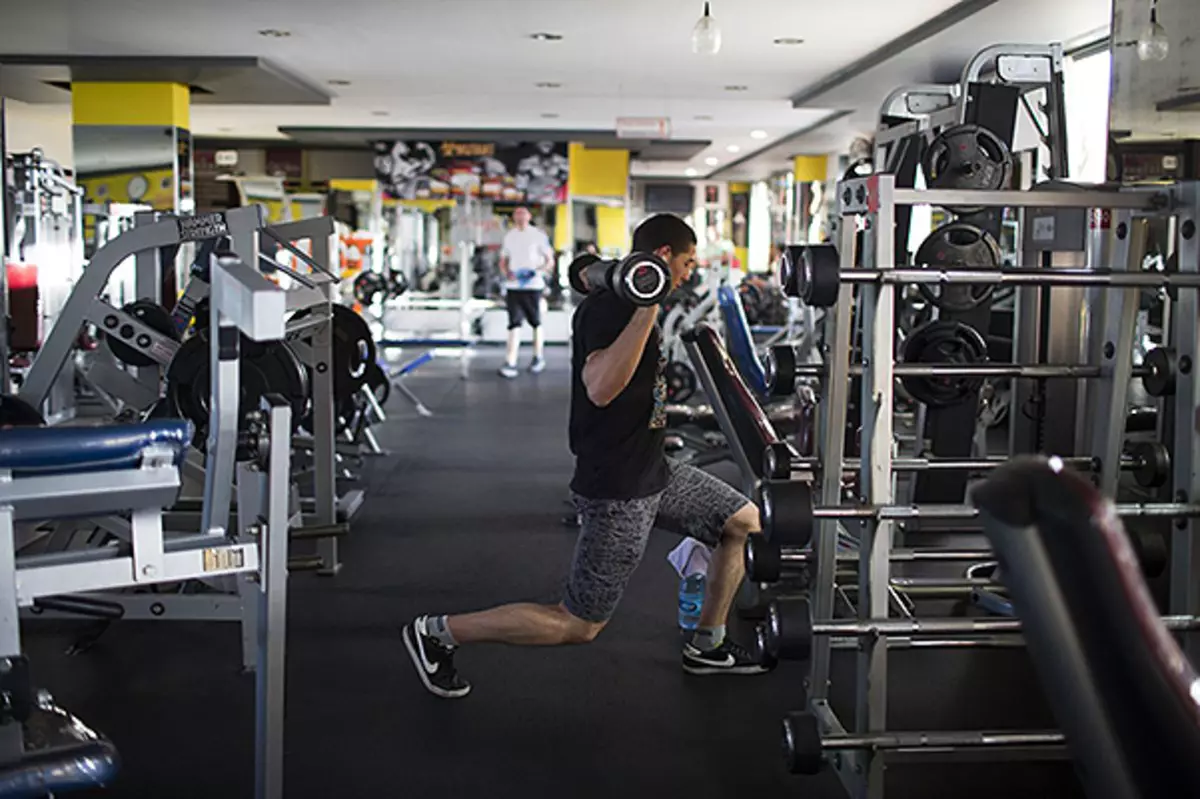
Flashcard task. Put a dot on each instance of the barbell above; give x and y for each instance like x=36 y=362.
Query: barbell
x=788 y=513
x=640 y=278
x=805 y=748
x=765 y=559
x=813 y=273
x=1149 y=461
x=790 y=628
x=1157 y=371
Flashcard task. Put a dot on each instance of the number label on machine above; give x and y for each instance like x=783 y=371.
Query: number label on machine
x=206 y=226
x=222 y=559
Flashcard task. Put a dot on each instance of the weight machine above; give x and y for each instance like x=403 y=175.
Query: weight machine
x=863 y=745
x=104 y=473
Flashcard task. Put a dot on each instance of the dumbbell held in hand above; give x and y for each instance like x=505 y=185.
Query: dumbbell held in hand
x=640 y=278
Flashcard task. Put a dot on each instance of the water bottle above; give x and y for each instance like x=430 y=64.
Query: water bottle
x=691 y=600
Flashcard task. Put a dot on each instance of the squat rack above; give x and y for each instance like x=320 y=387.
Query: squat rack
x=876 y=198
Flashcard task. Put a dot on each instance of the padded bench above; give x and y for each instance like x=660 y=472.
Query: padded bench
x=752 y=429
x=740 y=341
x=1119 y=684
x=61 y=472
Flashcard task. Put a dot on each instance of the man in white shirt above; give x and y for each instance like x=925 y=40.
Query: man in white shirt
x=526 y=257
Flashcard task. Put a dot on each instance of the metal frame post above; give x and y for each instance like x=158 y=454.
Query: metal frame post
x=879 y=329
x=1184 y=330
x=324 y=416
x=272 y=606
x=1109 y=397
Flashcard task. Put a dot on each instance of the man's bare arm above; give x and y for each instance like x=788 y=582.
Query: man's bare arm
x=608 y=371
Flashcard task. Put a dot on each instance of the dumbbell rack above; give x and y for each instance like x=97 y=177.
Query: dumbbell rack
x=876 y=198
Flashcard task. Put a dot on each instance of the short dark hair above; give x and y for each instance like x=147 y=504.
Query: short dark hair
x=663 y=230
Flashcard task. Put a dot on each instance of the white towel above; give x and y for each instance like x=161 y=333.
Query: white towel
x=690 y=557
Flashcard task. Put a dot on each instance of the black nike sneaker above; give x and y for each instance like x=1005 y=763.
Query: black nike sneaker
x=433 y=660
x=728 y=658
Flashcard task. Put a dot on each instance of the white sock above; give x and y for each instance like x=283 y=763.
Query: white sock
x=707 y=639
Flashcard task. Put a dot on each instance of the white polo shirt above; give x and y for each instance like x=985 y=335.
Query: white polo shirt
x=526 y=250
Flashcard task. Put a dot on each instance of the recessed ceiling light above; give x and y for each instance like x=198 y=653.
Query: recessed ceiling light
x=733 y=148
x=338 y=82
x=546 y=37
x=712 y=161
x=274 y=33
x=785 y=41
x=736 y=87
x=691 y=173
x=379 y=113
x=549 y=116
x=548 y=84
x=758 y=134
x=703 y=117
x=224 y=130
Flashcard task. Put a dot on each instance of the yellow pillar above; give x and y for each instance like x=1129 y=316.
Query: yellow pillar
x=604 y=175
x=739 y=222
x=809 y=168
x=132 y=118
x=133 y=145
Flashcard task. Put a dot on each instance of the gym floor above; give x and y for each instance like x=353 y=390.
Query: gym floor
x=464 y=512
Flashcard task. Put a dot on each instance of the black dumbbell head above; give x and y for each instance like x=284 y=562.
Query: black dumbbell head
x=787 y=511
x=764 y=562
x=780 y=368
x=762 y=652
x=642 y=278
x=790 y=629
x=802 y=749
x=777 y=461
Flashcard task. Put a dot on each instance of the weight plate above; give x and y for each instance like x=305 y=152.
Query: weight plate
x=944 y=342
x=789 y=629
x=787 y=512
x=1152 y=463
x=802 y=748
x=967 y=157
x=368 y=287
x=379 y=383
x=274 y=369
x=780 y=369
x=815 y=273
x=1161 y=363
x=353 y=351
x=681 y=382
x=576 y=269
x=16 y=412
x=958 y=244
x=764 y=563
x=777 y=461
x=122 y=340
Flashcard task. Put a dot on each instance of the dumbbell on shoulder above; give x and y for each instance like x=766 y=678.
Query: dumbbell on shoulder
x=640 y=278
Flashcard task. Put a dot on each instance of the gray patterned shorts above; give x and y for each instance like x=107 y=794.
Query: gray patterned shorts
x=613 y=534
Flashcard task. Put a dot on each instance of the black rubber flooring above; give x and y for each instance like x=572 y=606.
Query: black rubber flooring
x=464 y=512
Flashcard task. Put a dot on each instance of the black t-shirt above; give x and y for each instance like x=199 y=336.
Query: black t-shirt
x=619 y=448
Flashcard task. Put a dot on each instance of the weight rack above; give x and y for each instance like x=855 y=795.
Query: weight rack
x=877 y=198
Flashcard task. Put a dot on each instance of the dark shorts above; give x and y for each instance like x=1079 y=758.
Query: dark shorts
x=613 y=534
x=523 y=306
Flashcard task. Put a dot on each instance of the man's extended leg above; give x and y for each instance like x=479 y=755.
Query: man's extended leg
x=516 y=315
x=534 y=315
x=612 y=540
x=699 y=505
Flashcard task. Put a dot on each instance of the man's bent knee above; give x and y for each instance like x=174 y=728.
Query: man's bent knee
x=580 y=631
x=742 y=523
